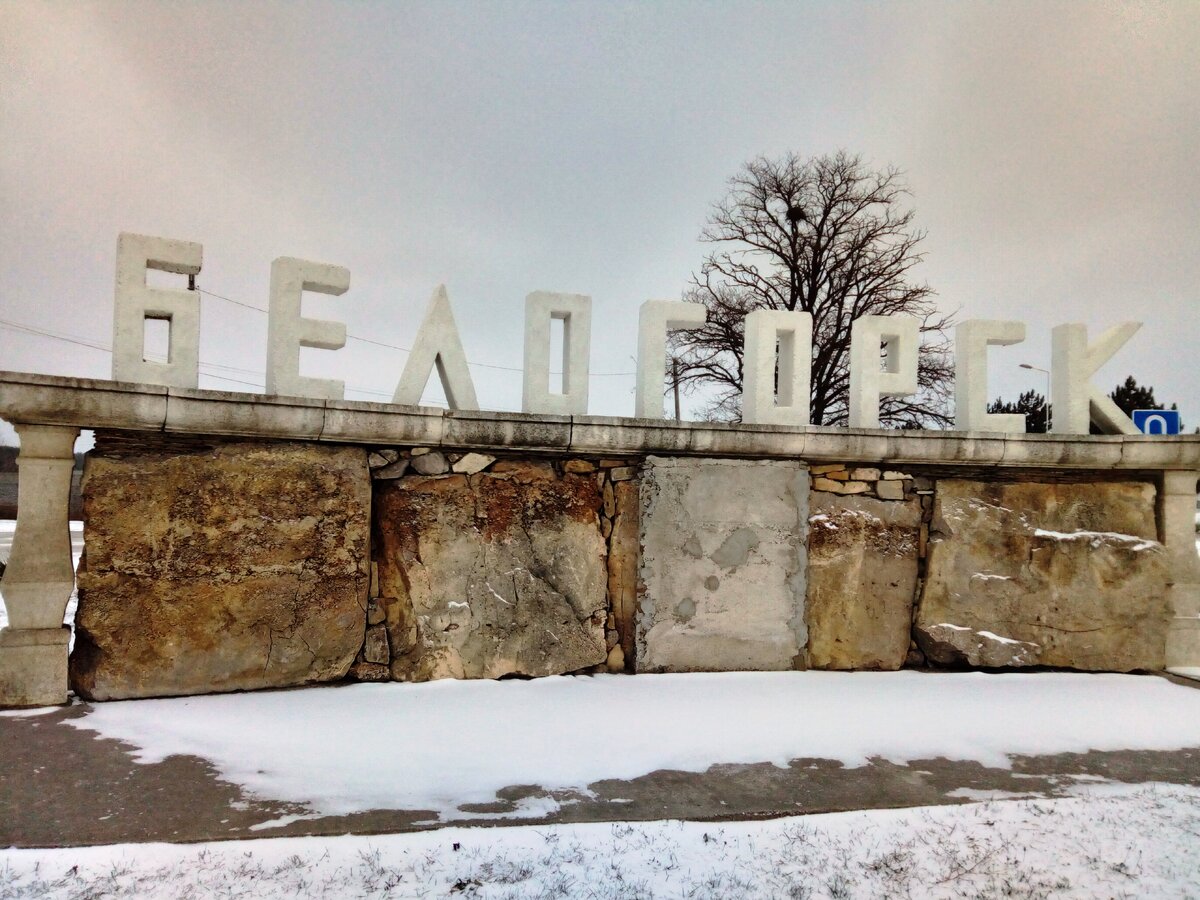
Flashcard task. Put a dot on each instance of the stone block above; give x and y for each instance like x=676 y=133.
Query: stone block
x=1071 y=569
x=840 y=487
x=472 y=463
x=624 y=473
x=391 y=470
x=890 y=490
x=722 y=567
x=862 y=578
x=234 y=567
x=616 y=659
x=376 y=610
x=579 y=466
x=375 y=646
x=33 y=666
x=499 y=573
x=1183 y=642
x=864 y=474
x=369 y=671
x=950 y=644
x=430 y=464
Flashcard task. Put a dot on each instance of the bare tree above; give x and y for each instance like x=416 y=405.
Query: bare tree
x=825 y=236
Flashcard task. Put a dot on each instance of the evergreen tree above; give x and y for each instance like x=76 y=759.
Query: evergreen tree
x=1032 y=405
x=1130 y=396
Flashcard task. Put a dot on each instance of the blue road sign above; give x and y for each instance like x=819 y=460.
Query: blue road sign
x=1156 y=421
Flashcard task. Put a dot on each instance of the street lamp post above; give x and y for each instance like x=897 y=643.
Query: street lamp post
x=1045 y=372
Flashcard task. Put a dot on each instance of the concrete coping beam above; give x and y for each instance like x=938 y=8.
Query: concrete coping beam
x=90 y=403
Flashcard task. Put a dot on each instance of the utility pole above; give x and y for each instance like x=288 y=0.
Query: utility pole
x=675 y=384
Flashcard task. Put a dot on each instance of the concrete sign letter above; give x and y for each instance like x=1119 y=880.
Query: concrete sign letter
x=762 y=403
x=575 y=311
x=1076 y=401
x=437 y=344
x=135 y=302
x=655 y=319
x=971 y=340
x=867 y=381
x=287 y=332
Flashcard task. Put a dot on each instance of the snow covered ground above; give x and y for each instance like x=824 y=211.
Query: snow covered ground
x=1114 y=842
x=443 y=744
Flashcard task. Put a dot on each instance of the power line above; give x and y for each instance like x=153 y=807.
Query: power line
x=355 y=337
x=95 y=345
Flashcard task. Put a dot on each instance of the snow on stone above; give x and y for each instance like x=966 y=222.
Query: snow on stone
x=437 y=745
x=991 y=636
x=1135 y=543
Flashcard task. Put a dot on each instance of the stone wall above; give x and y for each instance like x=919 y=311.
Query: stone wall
x=226 y=565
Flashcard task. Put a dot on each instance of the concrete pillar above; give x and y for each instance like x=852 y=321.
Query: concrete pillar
x=38 y=580
x=1177 y=529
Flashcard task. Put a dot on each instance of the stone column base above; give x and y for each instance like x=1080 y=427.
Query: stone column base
x=1183 y=643
x=33 y=666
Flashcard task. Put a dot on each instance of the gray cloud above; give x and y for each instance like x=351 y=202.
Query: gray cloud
x=504 y=148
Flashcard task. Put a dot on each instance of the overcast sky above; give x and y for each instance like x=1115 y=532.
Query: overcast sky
x=1053 y=153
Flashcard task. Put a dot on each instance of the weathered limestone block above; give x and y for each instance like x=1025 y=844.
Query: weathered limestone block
x=722 y=567
x=235 y=567
x=953 y=643
x=862 y=577
x=890 y=490
x=472 y=463
x=1071 y=569
x=500 y=573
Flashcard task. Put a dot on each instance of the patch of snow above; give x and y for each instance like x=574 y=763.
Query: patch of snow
x=1125 y=841
x=456 y=604
x=1136 y=543
x=988 y=576
x=1000 y=640
x=283 y=820
x=488 y=585
x=982 y=796
x=460 y=742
